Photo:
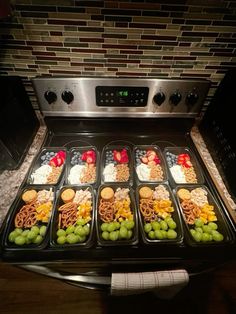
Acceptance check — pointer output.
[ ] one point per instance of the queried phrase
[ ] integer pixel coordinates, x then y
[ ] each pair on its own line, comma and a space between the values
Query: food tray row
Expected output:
118, 164
78, 216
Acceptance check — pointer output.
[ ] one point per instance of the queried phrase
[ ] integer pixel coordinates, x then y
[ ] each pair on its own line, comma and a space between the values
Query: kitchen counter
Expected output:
10, 181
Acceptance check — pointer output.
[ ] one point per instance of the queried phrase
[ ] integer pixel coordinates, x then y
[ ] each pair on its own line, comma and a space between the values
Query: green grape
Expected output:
147, 227
213, 225
205, 237
105, 235
198, 229
210, 237
70, 229
31, 235
25, 232
158, 234
61, 240
111, 227
61, 232
156, 225
20, 240
71, 238
172, 224
163, 225
193, 232
129, 234
12, 236
164, 234
27, 240
167, 219
79, 230
197, 236
86, 229
117, 225
129, 224
171, 234
114, 235
18, 231
35, 229
81, 222
151, 234
217, 236
38, 239
104, 226
123, 233
123, 223
198, 222
80, 239
43, 229
206, 229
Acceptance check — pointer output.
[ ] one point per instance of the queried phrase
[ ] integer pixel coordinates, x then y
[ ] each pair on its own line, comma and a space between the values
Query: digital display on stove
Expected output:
120, 96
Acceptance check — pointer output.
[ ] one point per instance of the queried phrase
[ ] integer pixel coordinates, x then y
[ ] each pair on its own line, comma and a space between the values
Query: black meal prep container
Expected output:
9, 224
111, 148
39, 161
137, 162
175, 215
74, 159
55, 219
221, 222
184, 150
120, 242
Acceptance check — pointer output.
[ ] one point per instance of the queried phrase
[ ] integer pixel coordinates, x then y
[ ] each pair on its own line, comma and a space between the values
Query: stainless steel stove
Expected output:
101, 111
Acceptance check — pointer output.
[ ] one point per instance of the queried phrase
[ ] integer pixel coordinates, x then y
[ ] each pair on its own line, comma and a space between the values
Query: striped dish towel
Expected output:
165, 284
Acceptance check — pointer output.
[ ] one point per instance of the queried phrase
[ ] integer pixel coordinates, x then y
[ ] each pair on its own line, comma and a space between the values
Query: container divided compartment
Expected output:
116, 216
73, 219
202, 216
27, 224
82, 166
48, 166
159, 217
117, 164
149, 164
182, 166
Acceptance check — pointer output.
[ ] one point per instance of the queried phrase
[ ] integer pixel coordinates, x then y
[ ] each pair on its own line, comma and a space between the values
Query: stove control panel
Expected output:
118, 97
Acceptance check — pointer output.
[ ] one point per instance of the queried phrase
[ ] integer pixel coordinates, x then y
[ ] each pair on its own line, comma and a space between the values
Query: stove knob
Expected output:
50, 96
159, 98
67, 96
175, 98
191, 98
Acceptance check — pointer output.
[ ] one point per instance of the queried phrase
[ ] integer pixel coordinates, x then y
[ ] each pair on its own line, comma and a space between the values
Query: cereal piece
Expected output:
122, 172
190, 175
29, 196
199, 197
184, 194
67, 195
107, 194
161, 193
145, 192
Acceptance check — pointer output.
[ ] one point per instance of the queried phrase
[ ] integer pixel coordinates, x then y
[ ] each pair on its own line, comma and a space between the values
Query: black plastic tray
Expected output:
196, 166
160, 156
175, 215
130, 163
38, 162
134, 239
14, 209
54, 225
69, 164
223, 227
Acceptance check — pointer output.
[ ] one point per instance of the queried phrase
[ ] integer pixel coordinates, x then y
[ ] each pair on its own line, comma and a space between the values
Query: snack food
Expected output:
29, 196
184, 194
116, 166
84, 166
145, 192
107, 193
67, 195
148, 165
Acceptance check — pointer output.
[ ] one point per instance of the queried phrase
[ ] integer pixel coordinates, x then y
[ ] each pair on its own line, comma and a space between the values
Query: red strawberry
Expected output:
84, 156
116, 155
90, 160
150, 153
124, 156
157, 160
144, 160
53, 162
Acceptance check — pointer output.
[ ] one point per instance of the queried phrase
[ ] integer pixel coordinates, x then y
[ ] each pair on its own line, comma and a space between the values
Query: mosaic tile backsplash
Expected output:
166, 38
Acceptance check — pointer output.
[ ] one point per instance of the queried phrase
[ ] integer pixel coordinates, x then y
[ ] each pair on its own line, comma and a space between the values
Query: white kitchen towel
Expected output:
165, 284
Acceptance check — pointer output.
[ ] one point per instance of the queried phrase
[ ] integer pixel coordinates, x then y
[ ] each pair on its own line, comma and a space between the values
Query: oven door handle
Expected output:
88, 279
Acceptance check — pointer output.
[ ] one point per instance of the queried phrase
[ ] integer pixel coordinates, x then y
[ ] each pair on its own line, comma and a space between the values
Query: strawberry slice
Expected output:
60, 161
90, 160
151, 153
157, 160
84, 156
116, 155
144, 160
53, 162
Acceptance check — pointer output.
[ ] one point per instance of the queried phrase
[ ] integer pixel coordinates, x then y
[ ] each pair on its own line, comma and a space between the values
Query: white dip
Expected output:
40, 175
178, 174
143, 172
109, 173
76, 173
